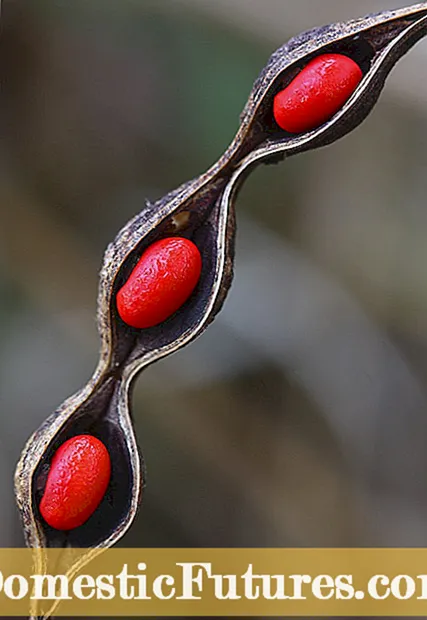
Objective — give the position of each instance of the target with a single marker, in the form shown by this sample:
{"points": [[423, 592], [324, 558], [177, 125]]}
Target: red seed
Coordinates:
{"points": [[317, 93], [78, 478], [162, 281]]}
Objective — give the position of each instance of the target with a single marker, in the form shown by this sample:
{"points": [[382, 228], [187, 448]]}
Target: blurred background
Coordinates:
{"points": [[300, 417]]}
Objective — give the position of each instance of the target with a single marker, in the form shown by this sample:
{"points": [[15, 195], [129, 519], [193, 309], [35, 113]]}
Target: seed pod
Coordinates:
{"points": [[375, 43], [203, 211]]}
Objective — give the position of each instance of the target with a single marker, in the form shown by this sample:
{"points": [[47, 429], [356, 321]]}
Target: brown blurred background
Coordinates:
{"points": [[300, 417]]}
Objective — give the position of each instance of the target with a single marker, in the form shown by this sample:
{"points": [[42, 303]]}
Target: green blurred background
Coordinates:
{"points": [[300, 417]]}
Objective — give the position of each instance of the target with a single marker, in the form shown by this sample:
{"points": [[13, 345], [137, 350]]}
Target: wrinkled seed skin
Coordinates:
{"points": [[161, 282], [77, 481], [316, 93]]}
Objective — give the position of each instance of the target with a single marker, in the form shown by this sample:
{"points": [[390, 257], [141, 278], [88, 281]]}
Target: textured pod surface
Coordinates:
{"points": [[78, 478], [160, 283], [317, 93], [201, 210]]}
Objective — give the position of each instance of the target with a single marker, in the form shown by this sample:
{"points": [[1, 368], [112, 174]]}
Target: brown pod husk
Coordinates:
{"points": [[203, 210]]}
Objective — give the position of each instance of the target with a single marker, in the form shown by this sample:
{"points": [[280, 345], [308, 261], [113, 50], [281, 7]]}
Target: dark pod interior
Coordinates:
{"points": [[363, 47], [97, 417], [358, 48], [202, 228]]}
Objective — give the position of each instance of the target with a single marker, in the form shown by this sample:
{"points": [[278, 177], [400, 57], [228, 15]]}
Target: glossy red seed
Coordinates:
{"points": [[317, 93], [162, 281], [77, 481]]}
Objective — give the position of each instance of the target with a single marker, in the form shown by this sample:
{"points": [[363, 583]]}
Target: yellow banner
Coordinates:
{"points": [[214, 582]]}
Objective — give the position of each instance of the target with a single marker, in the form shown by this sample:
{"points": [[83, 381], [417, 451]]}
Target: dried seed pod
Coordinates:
{"points": [[201, 210], [375, 43]]}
